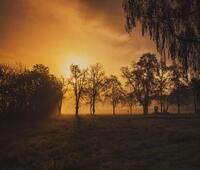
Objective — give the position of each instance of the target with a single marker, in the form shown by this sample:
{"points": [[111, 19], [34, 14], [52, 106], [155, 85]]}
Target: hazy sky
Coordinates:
{"points": [[60, 32]]}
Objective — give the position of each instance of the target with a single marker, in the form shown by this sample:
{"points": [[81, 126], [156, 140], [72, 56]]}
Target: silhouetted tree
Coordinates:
{"points": [[113, 91], [96, 78], [164, 85], [6, 76], [64, 85], [78, 81], [129, 99], [179, 96], [173, 25], [195, 87], [142, 77], [29, 93], [179, 80]]}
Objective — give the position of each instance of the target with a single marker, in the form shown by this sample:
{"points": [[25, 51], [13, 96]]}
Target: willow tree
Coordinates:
{"points": [[173, 25]]}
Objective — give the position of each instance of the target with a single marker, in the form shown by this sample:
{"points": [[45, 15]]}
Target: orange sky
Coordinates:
{"points": [[59, 32]]}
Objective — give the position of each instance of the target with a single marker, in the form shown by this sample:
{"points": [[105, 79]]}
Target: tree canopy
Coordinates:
{"points": [[95, 84], [174, 26], [30, 93], [141, 76], [78, 82]]}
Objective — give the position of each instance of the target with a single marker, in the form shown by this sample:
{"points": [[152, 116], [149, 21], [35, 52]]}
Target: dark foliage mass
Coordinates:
{"points": [[28, 93], [142, 77], [174, 26]]}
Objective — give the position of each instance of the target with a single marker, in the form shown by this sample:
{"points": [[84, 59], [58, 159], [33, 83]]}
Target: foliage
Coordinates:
{"points": [[30, 93], [129, 98], [78, 82], [173, 25], [164, 85], [141, 76], [113, 91], [194, 86], [35, 92], [179, 79], [95, 80]]}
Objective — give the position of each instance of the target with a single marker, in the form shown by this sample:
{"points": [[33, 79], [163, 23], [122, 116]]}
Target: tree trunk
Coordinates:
{"points": [[77, 108], [166, 106], [161, 103], [195, 102], [93, 105], [131, 109], [178, 101], [113, 109], [90, 109], [145, 109], [60, 108], [146, 105]]}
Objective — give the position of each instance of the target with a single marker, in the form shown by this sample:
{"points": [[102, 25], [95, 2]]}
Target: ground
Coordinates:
{"points": [[168, 142]]}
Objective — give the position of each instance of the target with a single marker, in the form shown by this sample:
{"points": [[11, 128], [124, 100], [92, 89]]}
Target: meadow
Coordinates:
{"points": [[121, 142]]}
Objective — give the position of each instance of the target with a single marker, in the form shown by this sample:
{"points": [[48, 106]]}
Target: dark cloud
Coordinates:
{"points": [[14, 8], [108, 12], [15, 13], [11, 13]]}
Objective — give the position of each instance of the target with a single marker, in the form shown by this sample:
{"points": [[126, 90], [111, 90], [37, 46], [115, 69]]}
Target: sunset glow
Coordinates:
{"points": [[99, 84], [76, 60], [58, 33]]}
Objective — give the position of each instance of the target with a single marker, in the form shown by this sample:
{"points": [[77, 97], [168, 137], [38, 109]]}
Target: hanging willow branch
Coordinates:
{"points": [[174, 25]]}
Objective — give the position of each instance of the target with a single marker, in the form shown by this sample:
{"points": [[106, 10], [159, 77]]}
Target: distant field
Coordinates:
{"points": [[168, 142]]}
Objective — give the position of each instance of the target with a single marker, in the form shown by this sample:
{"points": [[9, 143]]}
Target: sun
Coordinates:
{"points": [[77, 60]]}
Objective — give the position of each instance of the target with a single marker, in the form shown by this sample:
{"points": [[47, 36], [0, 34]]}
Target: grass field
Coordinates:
{"points": [[103, 143]]}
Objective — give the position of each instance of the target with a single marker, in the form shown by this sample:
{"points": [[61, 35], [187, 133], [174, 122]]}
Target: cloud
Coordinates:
{"points": [[108, 12], [41, 31], [20, 16]]}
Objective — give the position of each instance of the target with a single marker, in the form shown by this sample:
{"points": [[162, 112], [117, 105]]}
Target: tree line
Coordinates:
{"points": [[28, 92], [146, 81], [174, 27], [36, 92]]}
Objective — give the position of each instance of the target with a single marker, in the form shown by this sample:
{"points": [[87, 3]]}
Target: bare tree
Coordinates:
{"points": [[142, 77], [78, 81], [96, 78], [113, 91]]}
